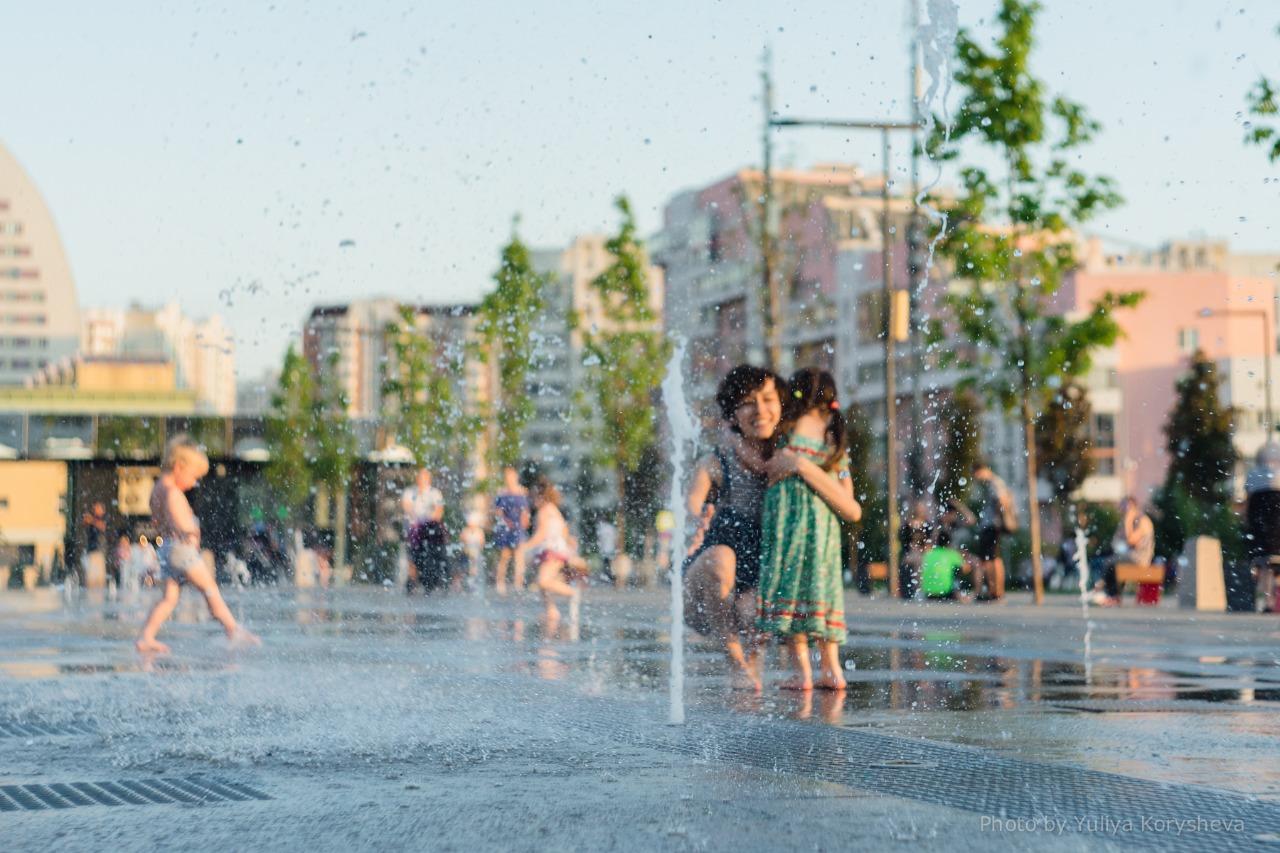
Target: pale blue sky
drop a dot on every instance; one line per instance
(221, 153)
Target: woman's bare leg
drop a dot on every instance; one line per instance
(500, 571)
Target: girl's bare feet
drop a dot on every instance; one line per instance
(797, 682)
(241, 638)
(745, 679)
(145, 645)
(830, 680)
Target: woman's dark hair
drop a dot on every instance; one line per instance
(739, 384)
(544, 489)
(812, 388)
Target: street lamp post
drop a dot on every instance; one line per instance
(890, 363)
(1268, 347)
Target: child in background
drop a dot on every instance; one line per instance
(180, 563)
(551, 543)
(472, 539)
(801, 584)
(938, 572)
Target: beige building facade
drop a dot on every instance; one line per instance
(39, 311)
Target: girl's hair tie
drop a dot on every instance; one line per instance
(835, 405)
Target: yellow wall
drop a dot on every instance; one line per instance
(32, 494)
(125, 376)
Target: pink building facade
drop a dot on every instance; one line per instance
(1228, 317)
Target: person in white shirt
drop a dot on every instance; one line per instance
(425, 536)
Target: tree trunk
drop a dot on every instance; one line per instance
(1033, 499)
(620, 517)
(339, 534)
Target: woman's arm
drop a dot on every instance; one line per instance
(750, 457)
(836, 493)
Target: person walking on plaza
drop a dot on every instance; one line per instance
(93, 564)
(916, 537)
(996, 517)
(510, 528)
(423, 507)
(801, 578)
(1134, 542)
(183, 465)
(607, 546)
(1262, 521)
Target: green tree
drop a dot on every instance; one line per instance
(625, 358)
(333, 452)
(311, 443)
(288, 435)
(505, 329)
(1010, 236)
(961, 439)
(1062, 433)
(869, 534)
(1263, 102)
(426, 406)
(1195, 497)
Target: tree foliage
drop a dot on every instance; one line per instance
(308, 435)
(624, 357)
(1010, 239)
(288, 430)
(424, 391)
(1263, 102)
(1063, 440)
(505, 328)
(870, 533)
(1194, 499)
(961, 446)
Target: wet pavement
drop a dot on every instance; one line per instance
(372, 721)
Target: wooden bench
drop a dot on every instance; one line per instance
(1150, 580)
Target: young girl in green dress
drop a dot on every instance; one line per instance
(801, 588)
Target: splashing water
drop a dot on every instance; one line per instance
(937, 39)
(1082, 567)
(683, 434)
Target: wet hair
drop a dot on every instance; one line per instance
(944, 539)
(545, 490)
(183, 448)
(812, 388)
(739, 384)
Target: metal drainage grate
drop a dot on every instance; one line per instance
(189, 790)
(970, 779)
(35, 728)
(1160, 706)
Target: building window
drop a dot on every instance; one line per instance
(1189, 340)
(871, 317)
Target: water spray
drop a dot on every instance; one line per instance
(683, 433)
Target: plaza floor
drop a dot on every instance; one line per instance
(372, 721)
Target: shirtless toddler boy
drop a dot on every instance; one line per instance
(177, 526)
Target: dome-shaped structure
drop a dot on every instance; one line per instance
(39, 312)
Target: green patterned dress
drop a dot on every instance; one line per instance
(801, 588)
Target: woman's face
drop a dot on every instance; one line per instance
(757, 416)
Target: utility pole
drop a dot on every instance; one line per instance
(916, 265)
(769, 298)
(890, 377)
(887, 315)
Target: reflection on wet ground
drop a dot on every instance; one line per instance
(1165, 696)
